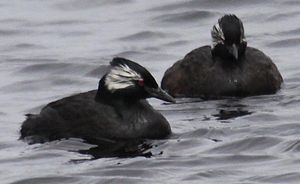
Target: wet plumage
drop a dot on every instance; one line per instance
(116, 111)
(227, 68)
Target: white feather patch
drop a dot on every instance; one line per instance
(121, 77)
(243, 38)
(217, 35)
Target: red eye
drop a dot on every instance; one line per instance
(141, 82)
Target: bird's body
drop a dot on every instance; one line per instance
(199, 75)
(99, 115)
(227, 68)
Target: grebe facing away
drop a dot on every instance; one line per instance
(116, 111)
(228, 68)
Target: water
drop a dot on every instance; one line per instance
(51, 49)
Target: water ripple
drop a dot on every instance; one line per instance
(184, 17)
(248, 144)
(143, 35)
(89, 4)
(205, 3)
(48, 180)
(289, 177)
(291, 42)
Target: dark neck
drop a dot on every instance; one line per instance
(105, 96)
(220, 51)
(223, 55)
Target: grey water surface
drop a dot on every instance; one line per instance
(54, 48)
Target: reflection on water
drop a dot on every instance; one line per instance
(224, 114)
(121, 149)
(230, 109)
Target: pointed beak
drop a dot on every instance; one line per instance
(233, 50)
(160, 94)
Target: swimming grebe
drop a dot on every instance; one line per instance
(227, 68)
(116, 111)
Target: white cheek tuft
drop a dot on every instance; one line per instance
(217, 35)
(121, 77)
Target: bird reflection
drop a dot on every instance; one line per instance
(120, 149)
(224, 114)
(230, 109)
